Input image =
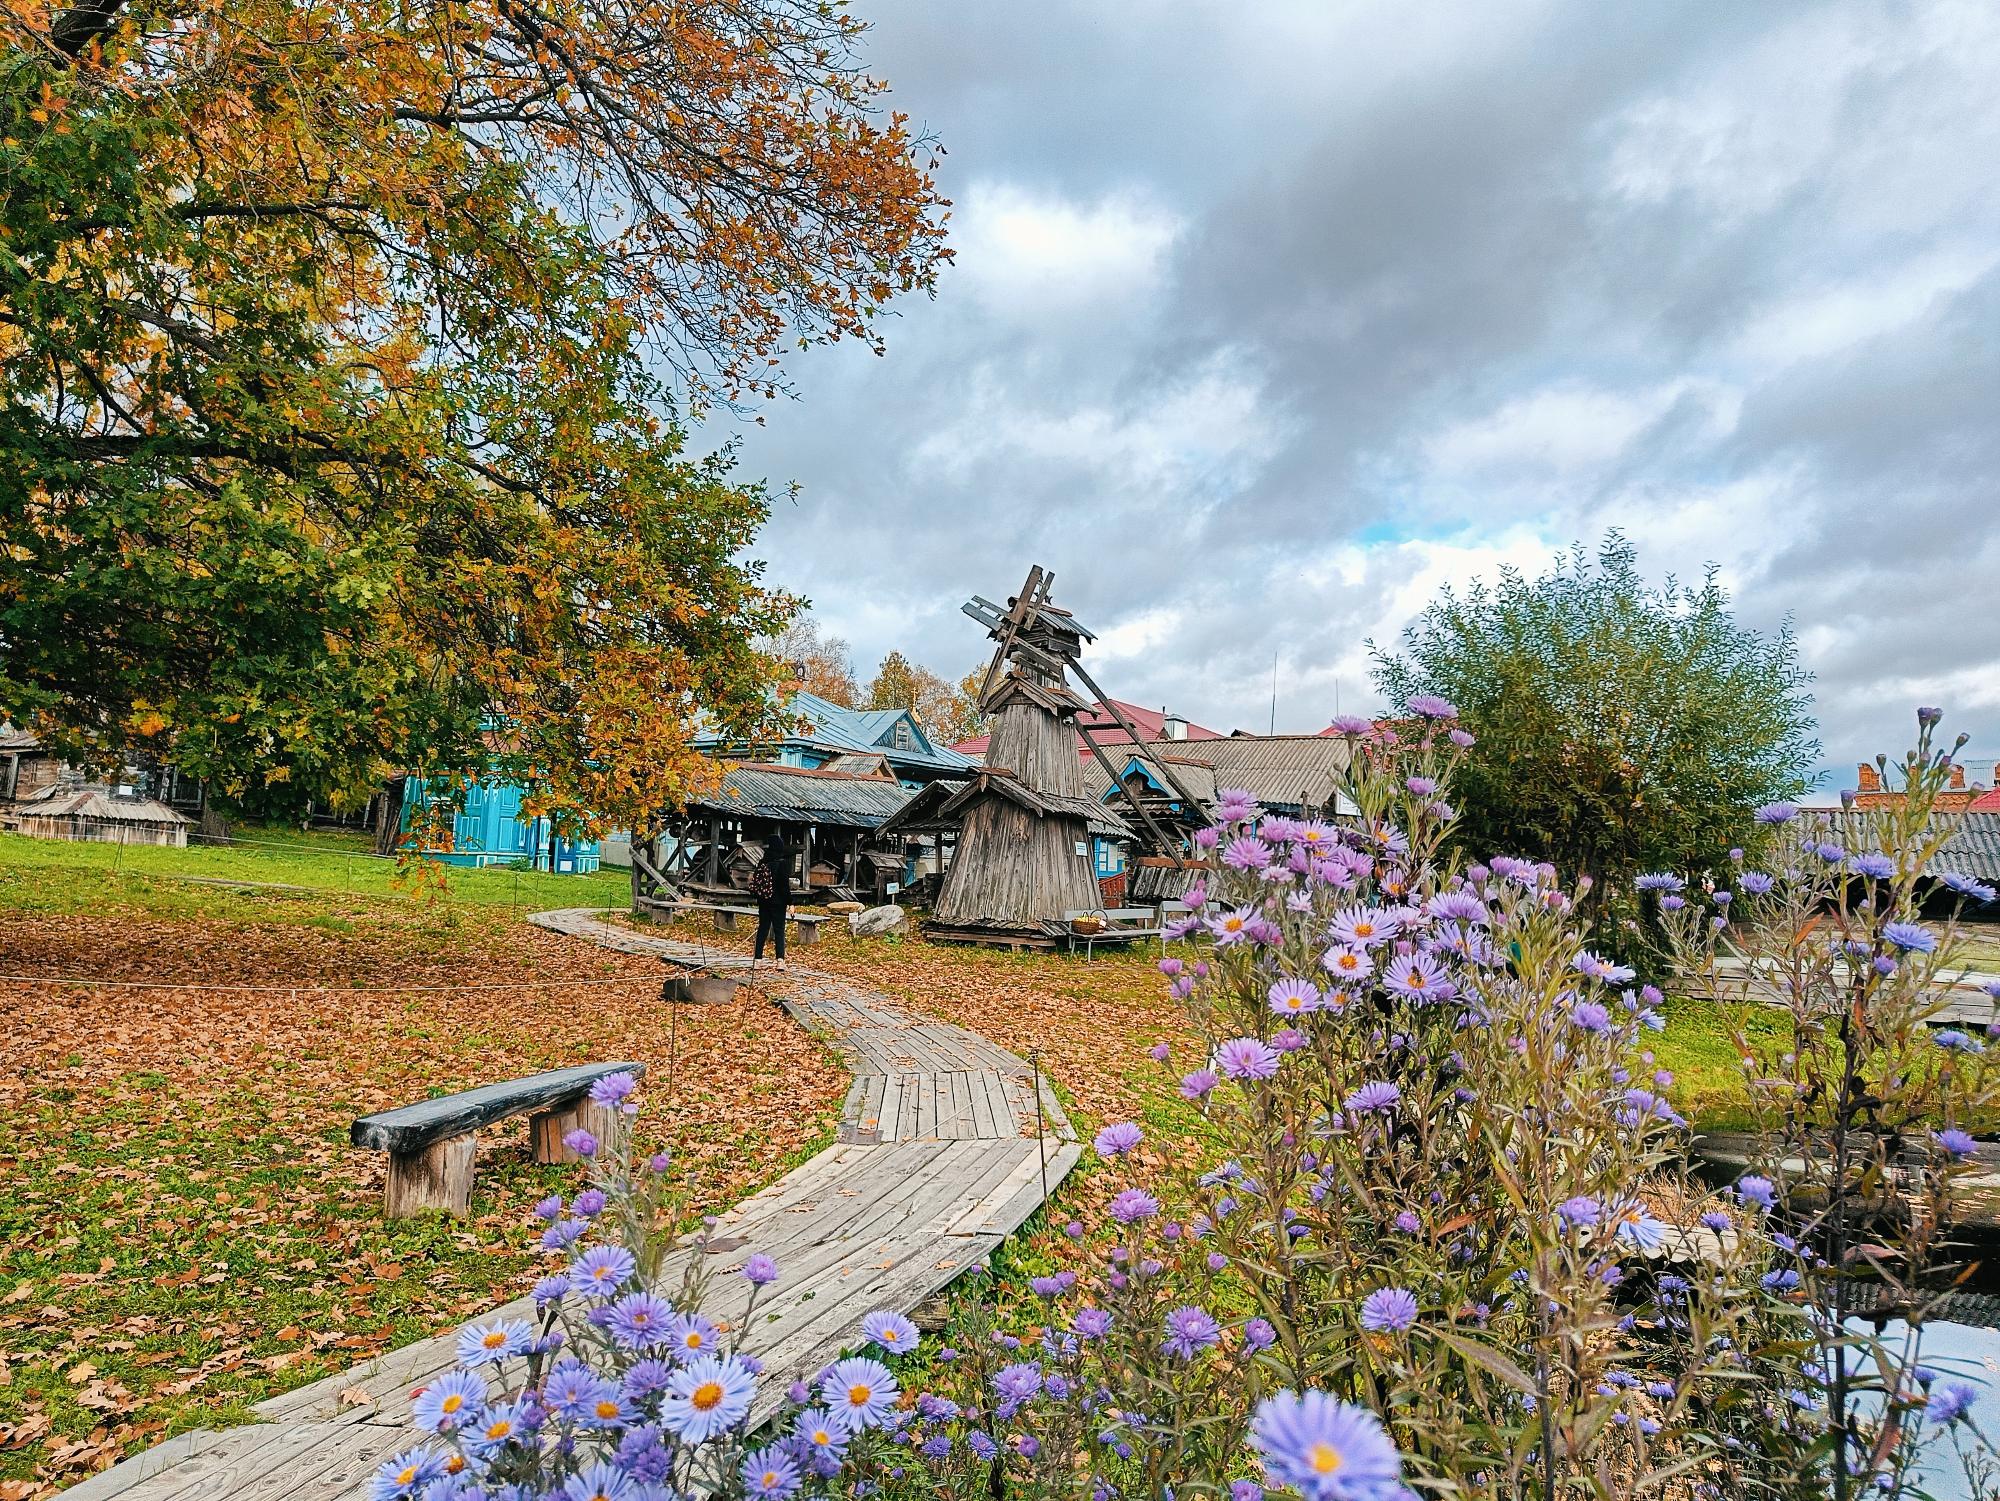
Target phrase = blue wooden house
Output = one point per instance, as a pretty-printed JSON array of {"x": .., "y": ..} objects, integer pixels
[{"x": 490, "y": 830}]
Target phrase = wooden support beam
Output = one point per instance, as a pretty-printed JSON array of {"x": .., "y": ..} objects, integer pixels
[
  {"x": 435, "y": 1179},
  {"x": 547, "y": 1128}
]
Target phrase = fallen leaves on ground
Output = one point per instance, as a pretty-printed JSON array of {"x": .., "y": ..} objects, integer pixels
[{"x": 184, "y": 1229}]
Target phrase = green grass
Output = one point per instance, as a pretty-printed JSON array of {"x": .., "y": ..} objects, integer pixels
[{"x": 50, "y": 876}]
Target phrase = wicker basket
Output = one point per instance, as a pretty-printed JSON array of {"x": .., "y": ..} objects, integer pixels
[{"x": 1087, "y": 923}]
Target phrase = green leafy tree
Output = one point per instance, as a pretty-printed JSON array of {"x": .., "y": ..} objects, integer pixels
[
  {"x": 1621, "y": 727},
  {"x": 344, "y": 352}
]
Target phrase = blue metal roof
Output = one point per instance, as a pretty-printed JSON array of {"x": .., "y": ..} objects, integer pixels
[{"x": 836, "y": 729}]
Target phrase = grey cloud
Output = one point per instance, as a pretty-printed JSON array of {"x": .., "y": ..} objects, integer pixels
[{"x": 1394, "y": 227}]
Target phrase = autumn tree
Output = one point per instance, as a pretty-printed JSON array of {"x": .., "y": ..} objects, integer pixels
[
  {"x": 815, "y": 661},
  {"x": 346, "y": 347},
  {"x": 1621, "y": 726}
]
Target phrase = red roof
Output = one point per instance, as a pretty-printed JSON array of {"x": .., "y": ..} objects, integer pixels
[
  {"x": 1986, "y": 802},
  {"x": 1150, "y": 723}
]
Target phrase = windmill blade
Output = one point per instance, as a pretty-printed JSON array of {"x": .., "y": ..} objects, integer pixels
[{"x": 1024, "y": 609}]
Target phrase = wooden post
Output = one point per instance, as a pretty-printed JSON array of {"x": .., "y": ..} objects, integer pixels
[
  {"x": 547, "y": 1128},
  {"x": 437, "y": 1178}
]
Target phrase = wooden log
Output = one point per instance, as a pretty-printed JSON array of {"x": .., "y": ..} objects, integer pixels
[
  {"x": 808, "y": 931},
  {"x": 725, "y": 922},
  {"x": 439, "y": 1177},
  {"x": 547, "y": 1128}
]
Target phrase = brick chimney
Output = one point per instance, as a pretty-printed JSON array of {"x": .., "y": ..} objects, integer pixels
[{"x": 1871, "y": 779}]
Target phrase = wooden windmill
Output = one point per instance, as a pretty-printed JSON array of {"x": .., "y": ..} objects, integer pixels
[{"x": 1027, "y": 818}]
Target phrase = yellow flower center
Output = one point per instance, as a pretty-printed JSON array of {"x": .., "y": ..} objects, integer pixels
[
  {"x": 607, "y": 1409},
  {"x": 406, "y": 1474},
  {"x": 453, "y": 1465},
  {"x": 1325, "y": 1458},
  {"x": 495, "y": 1338},
  {"x": 858, "y": 1395},
  {"x": 500, "y": 1429},
  {"x": 1364, "y": 930},
  {"x": 694, "y": 1339},
  {"x": 452, "y": 1403},
  {"x": 822, "y": 1437},
  {"x": 770, "y": 1480},
  {"x": 706, "y": 1396}
]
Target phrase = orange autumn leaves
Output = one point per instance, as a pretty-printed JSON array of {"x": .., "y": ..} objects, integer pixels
[{"x": 352, "y": 345}]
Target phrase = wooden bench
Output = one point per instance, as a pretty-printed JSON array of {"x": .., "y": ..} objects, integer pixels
[
  {"x": 430, "y": 1144},
  {"x": 725, "y": 918},
  {"x": 1118, "y": 927}
]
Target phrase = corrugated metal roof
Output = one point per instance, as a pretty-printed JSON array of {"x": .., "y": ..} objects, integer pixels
[
  {"x": 1973, "y": 848},
  {"x": 788, "y": 794},
  {"x": 838, "y": 729},
  {"x": 94, "y": 800},
  {"x": 1280, "y": 771},
  {"x": 12, "y": 739}
]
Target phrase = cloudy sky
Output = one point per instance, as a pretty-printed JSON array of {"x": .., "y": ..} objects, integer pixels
[{"x": 1267, "y": 320}]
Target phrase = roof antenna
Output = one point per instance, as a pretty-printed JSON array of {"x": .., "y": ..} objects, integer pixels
[{"x": 1274, "y": 693}]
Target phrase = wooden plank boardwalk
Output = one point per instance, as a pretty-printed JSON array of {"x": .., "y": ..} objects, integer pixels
[{"x": 938, "y": 1159}]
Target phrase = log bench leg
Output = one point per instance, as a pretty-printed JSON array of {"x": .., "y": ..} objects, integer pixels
[
  {"x": 437, "y": 1178},
  {"x": 547, "y": 1128},
  {"x": 808, "y": 935},
  {"x": 725, "y": 922}
]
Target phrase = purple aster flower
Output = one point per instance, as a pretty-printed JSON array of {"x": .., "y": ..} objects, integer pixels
[
  {"x": 1965, "y": 885},
  {"x": 1233, "y": 804},
  {"x": 1420, "y": 786},
  {"x": 1294, "y": 997},
  {"x": 1430, "y": 706},
  {"x": 1634, "y": 1224},
  {"x": 640, "y": 1321},
  {"x": 1159, "y": 1052},
  {"x": 1363, "y": 927},
  {"x": 1258, "y": 1335},
  {"x": 550, "y": 1290},
  {"x": 1246, "y": 1058},
  {"x": 573, "y": 1391},
  {"x": 1199, "y": 1084},
  {"x": 1324, "y": 1449},
  {"x": 820, "y": 1439},
  {"x": 613, "y": 1089},
  {"x": 1351, "y": 725},
  {"x": 891, "y": 1331},
  {"x": 659, "y": 1162},
  {"x": 1462, "y": 739},
  {"x": 1777, "y": 813},
  {"x": 403, "y": 1477},
  {"x": 769, "y": 1474},
  {"x": 1660, "y": 881},
  {"x": 1378, "y": 1096},
  {"x": 1950, "y": 1402},
  {"x": 707, "y": 1397},
  {"x": 1190, "y": 1330},
  {"x": 1954, "y": 1041},
  {"x": 1417, "y": 977},
  {"x": 760, "y": 1270},
  {"x": 1910, "y": 937},
  {"x": 451, "y": 1402},
  {"x": 600, "y": 1271},
  {"x": 1756, "y": 882},
  {"x": 1246, "y": 852},
  {"x": 1591, "y": 1017},
  {"x": 691, "y": 1335},
  {"x": 589, "y": 1204},
  {"x": 550, "y": 1209},
  {"x": 1091, "y": 1323},
  {"x": 1578, "y": 1211},
  {"x": 1347, "y": 963},
  {"x": 1132, "y": 1205},
  {"x": 859, "y": 1393},
  {"x": 1957, "y": 1143},
  {"x": 1873, "y": 866},
  {"x": 1233, "y": 927},
  {"x": 496, "y": 1341},
  {"x": 1018, "y": 1382},
  {"x": 1927, "y": 716},
  {"x": 1115, "y": 1140},
  {"x": 1754, "y": 1188},
  {"x": 582, "y": 1143},
  {"x": 1407, "y": 1223},
  {"x": 645, "y": 1379},
  {"x": 1389, "y": 1310}
]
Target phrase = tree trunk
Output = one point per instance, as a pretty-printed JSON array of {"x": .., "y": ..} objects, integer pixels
[{"x": 389, "y": 821}]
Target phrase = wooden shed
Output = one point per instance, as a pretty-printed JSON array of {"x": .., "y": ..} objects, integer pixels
[{"x": 95, "y": 813}]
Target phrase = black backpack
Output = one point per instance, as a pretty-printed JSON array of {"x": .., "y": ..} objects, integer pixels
[{"x": 763, "y": 885}]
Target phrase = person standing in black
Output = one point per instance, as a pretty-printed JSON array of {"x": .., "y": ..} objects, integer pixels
[{"x": 772, "y": 884}]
